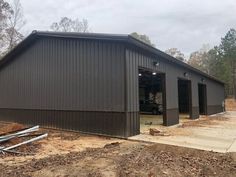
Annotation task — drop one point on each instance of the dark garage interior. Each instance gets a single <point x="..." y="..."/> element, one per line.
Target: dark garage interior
<point x="151" y="97"/>
<point x="202" y="99"/>
<point x="184" y="97"/>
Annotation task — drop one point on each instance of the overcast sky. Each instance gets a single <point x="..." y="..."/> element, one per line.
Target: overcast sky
<point x="184" y="24"/>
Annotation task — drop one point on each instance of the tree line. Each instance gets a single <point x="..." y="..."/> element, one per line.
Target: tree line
<point x="219" y="61"/>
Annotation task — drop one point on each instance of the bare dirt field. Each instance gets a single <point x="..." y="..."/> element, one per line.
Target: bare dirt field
<point x="109" y="157"/>
<point x="74" y="154"/>
<point x="66" y="154"/>
<point x="230" y="104"/>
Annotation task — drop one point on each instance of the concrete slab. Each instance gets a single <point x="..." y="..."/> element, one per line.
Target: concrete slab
<point x="214" y="133"/>
<point x="232" y="147"/>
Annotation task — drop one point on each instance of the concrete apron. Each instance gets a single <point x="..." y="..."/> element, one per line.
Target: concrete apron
<point x="220" y="137"/>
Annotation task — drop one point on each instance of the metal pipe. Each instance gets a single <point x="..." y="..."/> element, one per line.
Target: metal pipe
<point x="16" y="152"/>
<point x="20" y="133"/>
<point x="26" y="142"/>
<point x="32" y="129"/>
<point x="6" y="139"/>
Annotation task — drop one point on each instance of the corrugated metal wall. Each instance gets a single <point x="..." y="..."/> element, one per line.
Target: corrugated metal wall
<point x="108" y="123"/>
<point x="74" y="84"/>
<point x="65" y="74"/>
<point x="215" y="97"/>
<point x="136" y="58"/>
<point x="215" y="93"/>
<point x="90" y="85"/>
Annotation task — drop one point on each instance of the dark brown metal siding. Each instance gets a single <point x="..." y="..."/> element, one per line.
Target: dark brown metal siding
<point x="136" y="58"/>
<point x="103" y="123"/>
<point x="65" y="74"/>
<point x="73" y="84"/>
<point x="215" y="97"/>
<point x="132" y="124"/>
<point x="88" y="85"/>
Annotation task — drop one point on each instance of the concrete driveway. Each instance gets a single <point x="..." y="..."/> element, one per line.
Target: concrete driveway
<point x="213" y="133"/>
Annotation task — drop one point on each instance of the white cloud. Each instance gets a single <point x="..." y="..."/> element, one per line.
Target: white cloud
<point x="169" y="23"/>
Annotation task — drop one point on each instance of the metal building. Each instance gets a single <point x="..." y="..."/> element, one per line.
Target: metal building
<point x="90" y="83"/>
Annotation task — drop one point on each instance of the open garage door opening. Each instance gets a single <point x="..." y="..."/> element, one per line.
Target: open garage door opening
<point x="184" y="97"/>
<point x="202" y="99"/>
<point x="151" y="98"/>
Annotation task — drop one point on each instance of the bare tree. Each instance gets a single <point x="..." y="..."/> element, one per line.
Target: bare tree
<point x="201" y="59"/>
<point x="81" y="26"/>
<point x="175" y="53"/>
<point x="5" y="13"/>
<point x="68" y="25"/>
<point x="142" y="37"/>
<point x="15" y="24"/>
<point x="11" y="22"/>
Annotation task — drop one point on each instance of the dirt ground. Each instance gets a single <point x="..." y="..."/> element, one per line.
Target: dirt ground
<point x="75" y="154"/>
<point x="70" y="154"/>
<point x="230" y="105"/>
<point x="128" y="159"/>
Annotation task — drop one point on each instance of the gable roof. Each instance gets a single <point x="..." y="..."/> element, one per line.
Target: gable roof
<point x="99" y="36"/>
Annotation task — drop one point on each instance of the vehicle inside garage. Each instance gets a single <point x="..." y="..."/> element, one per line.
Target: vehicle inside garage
<point x="151" y="97"/>
<point x="184" y="98"/>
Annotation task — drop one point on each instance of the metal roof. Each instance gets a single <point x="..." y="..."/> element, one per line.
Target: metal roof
<point x="100" y="36"/>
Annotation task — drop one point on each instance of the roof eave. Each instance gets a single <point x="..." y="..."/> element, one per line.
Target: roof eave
<point x="100" y="36"/>
<point x="17" y="48"/>
<point x="170" y="58"/>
